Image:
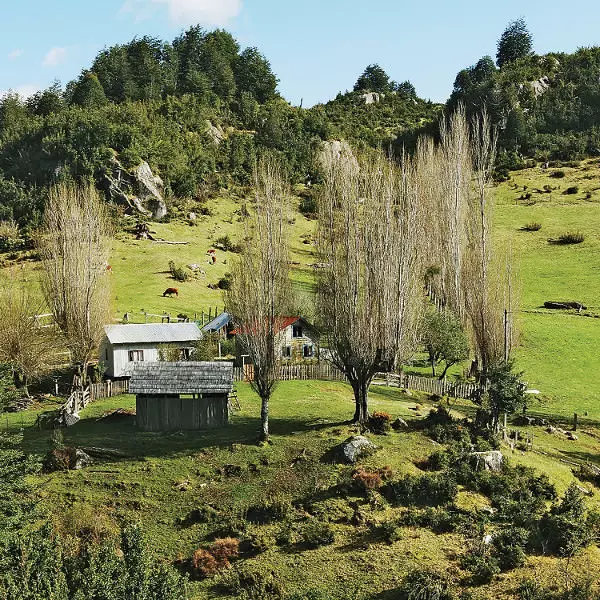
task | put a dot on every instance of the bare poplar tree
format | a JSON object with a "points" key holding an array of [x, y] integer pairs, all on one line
{"points": [[29, 348], [74, 245], [260, 293], [368, 290], [485, 285]]}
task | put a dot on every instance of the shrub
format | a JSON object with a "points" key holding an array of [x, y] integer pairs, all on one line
{"points": [[315, 534], [557, 174], [438, 461], [225, 282], [425, 584], [253, 582], [533, 226], [227, 244], [367, 480], [204, 563], [433, 490], [179, 273], [260, 541], [10, 237], [272, 510], [509, 547], [308, 205], [225, 548], [571, 190], [335, 510], [571, 237], [379, 423], [530, 589], [390, 532]]}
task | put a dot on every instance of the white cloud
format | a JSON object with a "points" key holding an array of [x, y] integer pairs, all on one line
{"points": [[15, 53], [54, 57], [24, 91], [187, 12]]}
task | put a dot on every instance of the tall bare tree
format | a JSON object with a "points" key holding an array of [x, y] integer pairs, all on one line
{"points": [[368, 290], [74, 245], [260, 293], [28, 348]]}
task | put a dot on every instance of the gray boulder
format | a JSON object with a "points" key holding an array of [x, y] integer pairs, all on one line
{"points": [[350, 451], [79, 460], [399, 424], [487, 461]]}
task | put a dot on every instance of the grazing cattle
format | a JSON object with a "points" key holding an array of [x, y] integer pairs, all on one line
{"points": [[170, 291]]}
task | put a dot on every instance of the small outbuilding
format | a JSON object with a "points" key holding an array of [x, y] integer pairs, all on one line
{"points": [[124, 346], [172, 396]]}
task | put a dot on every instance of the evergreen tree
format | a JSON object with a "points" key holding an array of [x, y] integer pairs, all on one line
{"points": [[515, 42], [88, 92], [253, 75], [373, 79]]}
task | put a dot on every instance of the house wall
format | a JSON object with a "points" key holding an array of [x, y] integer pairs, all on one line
{"points": [[171, 413], [115, 358], [286, 338]]}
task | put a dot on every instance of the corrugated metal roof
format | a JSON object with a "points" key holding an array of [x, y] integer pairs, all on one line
{"points": [[148, 333], [181, 378], [218, 323]]}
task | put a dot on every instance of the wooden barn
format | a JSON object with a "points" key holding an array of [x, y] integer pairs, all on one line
{"points": [[172, 396]]}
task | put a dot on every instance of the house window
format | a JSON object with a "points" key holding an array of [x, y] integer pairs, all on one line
{"points": [[286, 352], [308, 351], [136, 355], [297, 331], [185, 354]]}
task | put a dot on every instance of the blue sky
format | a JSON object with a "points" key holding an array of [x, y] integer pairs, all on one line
{"points": [[316, 47]]}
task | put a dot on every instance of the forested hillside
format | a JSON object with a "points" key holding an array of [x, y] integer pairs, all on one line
{"points": [[545, 106], [199, 110]]}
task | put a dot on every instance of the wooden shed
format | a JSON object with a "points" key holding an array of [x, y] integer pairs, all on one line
{"points": [[173, 396]]}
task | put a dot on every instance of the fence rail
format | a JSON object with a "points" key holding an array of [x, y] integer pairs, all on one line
{"points": [[428, 385], [320, 370], [109, 388]]}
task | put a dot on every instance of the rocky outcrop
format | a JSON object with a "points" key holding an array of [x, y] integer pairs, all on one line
{"points": [[487, 461], [372, 97], [216, 133], [138, 188]]}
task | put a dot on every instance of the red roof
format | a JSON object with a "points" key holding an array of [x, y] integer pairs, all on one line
{"points": [[280, 324]]}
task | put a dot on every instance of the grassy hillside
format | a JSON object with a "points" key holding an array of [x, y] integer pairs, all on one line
{"points": [[558, 349], [165, 477]]}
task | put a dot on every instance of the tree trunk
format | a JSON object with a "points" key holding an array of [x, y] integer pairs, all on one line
{"points": [[448, 365], [361, 399], [264, 418], [433, 366]]}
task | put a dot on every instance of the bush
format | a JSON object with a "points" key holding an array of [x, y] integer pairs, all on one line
{"points": [[571, 237], [335, 510], [204, 563], [557, 174], [428, 490], [571, 190], [533, 226], [227, 244], [315, 534], [379, 423], [225, 282], [438, 461], [253, 582], [390, 532], [179, 273], [509, 547], [260, 541], [225, 548], [368, 480], [425, 584]]}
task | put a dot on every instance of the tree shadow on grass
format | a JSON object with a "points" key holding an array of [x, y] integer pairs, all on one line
{"points": [[122, 435], [582, 456]]}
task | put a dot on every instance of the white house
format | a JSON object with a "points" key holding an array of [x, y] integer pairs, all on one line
{"points": [[125, 345]]}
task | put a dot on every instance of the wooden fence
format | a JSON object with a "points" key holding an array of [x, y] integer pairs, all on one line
{"points": [[327, 371], [428, 385], [322, 370], [107, 389]]}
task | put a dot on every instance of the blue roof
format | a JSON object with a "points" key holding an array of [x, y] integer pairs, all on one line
{"points": [[218, 323]]}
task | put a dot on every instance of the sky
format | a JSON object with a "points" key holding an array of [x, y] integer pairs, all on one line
{"points": [[317, 48]]}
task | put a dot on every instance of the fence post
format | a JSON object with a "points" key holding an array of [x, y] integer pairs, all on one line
{"points": [[574, 421]]}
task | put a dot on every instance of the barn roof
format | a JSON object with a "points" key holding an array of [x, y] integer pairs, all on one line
{"points": [[153, 333], [281, 323], [181, 378], [218, 323]]}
